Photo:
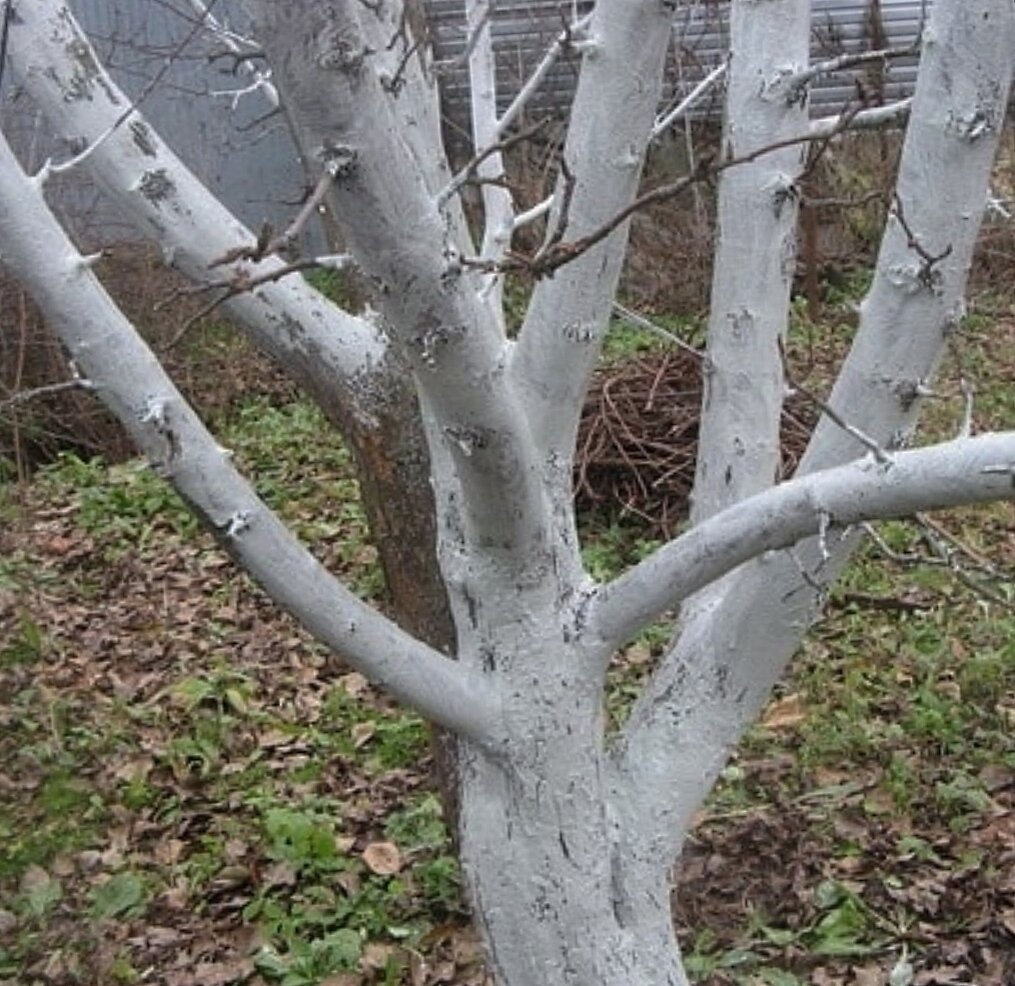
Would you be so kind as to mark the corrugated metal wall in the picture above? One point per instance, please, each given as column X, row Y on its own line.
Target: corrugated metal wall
column 523, row 30
column 251, row 163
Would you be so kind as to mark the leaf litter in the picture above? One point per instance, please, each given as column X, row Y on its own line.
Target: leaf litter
column 192, row 793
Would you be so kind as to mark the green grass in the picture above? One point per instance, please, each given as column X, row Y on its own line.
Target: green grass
column 215, row 761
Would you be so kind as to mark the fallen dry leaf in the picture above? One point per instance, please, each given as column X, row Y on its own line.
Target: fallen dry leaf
column 785, row 713
column 362, row 733
column 383, row 858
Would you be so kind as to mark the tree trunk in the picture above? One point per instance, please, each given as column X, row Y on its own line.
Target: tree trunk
column 559, row 900
column 553, row 895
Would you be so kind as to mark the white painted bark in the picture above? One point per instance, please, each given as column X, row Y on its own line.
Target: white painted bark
column 346, row 364
column 125, row 374
column 755, row 255
column 343, row 112
column 567, row 845
column 498, row 209
column 614, row 108
column 323, row 347
column 827, row 503
column 721, row 670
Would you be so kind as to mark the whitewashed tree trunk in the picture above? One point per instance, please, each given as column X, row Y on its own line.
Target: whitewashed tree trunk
column 567, row 841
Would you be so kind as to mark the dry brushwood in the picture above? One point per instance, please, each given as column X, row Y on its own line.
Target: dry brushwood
column 638, row 438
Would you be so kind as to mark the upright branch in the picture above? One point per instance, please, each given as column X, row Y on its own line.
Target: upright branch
column 619, row 90
column 345, row 117
column 737, row 648
column 755, row 256
column 498, row 208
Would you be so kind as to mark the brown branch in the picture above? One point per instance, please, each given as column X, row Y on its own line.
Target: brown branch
column 467, row 174
column 927, row 275
column 552, row 256
column 240, row 283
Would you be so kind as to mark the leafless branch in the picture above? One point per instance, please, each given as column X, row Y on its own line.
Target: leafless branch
column 927, row 275
column 868, row 119
column 555, row 255
column 25, row 396
column 946, row 550
column 243, row 281
column 798, row 83
column 49, row 168
column 634, row 318
column 665, row 122
column 872, row 446
column 468, row 173
column 565, row 41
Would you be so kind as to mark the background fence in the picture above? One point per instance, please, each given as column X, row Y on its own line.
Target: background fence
column 250, row 162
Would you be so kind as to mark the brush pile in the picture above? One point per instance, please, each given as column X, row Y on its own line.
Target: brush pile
column 638, row 439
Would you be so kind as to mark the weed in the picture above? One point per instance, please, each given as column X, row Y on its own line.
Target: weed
column 123, row 895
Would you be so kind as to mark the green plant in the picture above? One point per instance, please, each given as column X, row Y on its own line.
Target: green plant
column 122, row 895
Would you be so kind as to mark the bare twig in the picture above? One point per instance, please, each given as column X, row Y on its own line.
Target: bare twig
column 242, row 281
column 798, row 83
column 468, row 173
column 945, row 546
column 665, row 122
column 872, row 446
column 564, row 42
column 564, row 216
column 868, row 119
column 49, row 168
column 25, row 396
column 927, row 275
column 642, row 322
column 547, row 260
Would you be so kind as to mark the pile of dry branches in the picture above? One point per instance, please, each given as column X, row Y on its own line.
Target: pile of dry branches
column 639, row 437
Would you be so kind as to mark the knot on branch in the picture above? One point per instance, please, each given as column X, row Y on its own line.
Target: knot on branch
column 339, row 160
column 343, row 49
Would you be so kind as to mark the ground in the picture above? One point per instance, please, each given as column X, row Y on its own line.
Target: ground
column 193, row 794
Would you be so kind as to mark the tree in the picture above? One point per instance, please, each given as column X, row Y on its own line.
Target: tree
column 567, row 840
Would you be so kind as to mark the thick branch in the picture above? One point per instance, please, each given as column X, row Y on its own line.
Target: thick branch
column 321, row 346
column 619, row 90
column 343, row 112
column 345, row 363
column 755, row 255
column 967, row 470
column 717, row 678
column 129, row 380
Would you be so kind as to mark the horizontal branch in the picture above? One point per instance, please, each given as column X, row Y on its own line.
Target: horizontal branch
column 797, row 83
column 869, row 119
column 47, row 390
column 129, row 380
column 968, row 470
column 552, row 257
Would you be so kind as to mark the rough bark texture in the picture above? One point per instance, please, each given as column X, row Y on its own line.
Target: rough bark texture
column 721, row 670
column 755, row 255
column 342, row 361
column 567, row 842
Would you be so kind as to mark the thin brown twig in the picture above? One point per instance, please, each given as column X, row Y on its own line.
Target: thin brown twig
column 553, row 256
